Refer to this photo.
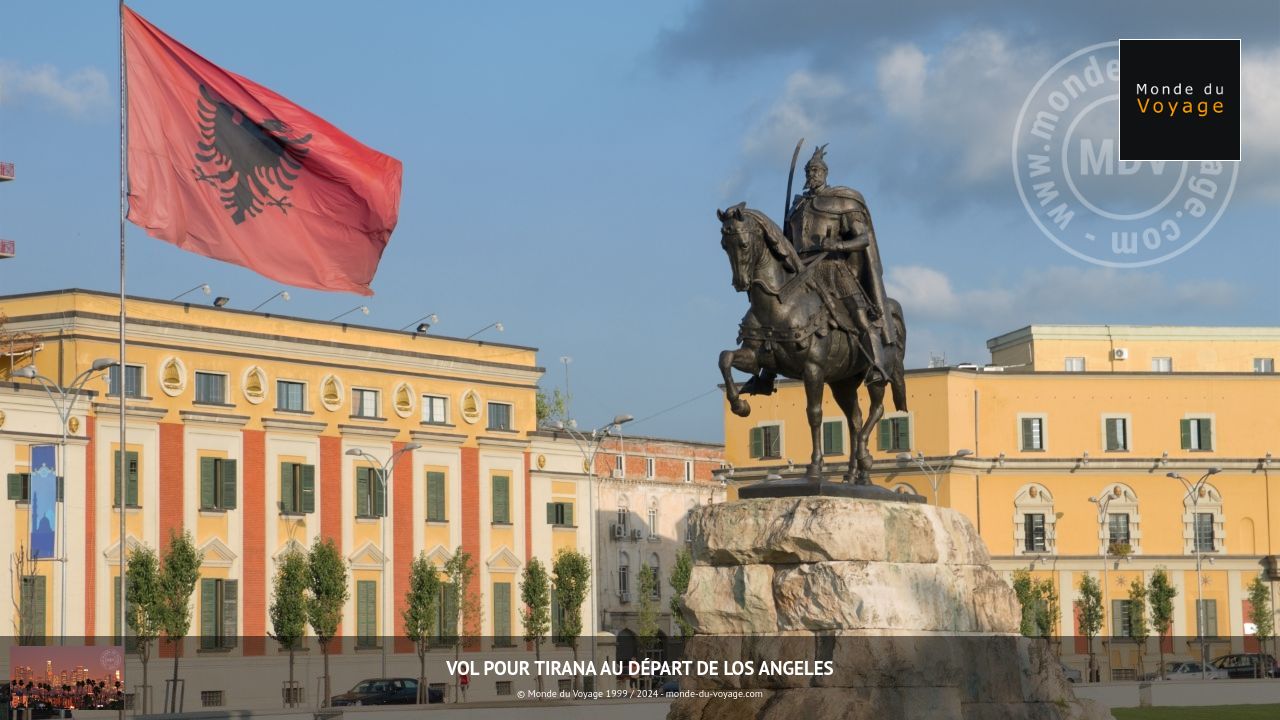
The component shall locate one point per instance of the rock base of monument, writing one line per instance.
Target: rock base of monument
(804, 487)
(833, 607)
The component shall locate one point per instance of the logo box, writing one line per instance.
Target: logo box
(1180, 100)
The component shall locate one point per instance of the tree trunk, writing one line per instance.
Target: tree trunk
(144, 655)
(1161, 668)
(324, 650)
(177, 653)
(575, 663)
(424, 694)
(292, 699)
(537, 655)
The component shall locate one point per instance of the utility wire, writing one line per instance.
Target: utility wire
(676, 406)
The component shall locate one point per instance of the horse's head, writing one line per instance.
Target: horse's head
(739, 236)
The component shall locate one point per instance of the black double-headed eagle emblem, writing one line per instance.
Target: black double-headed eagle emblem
(246, 159)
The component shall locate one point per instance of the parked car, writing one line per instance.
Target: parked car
(385, 691)
(1072, 674)
(1246, 665)
(1187, 670)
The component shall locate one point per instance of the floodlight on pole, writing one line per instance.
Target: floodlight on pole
(283, 295)
(202, 286)
(495, 325)
(361, 308)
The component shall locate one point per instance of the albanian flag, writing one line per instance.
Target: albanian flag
(223, 167)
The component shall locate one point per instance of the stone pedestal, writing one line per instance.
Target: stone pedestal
(884, 610)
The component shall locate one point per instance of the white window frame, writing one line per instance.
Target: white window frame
(124, 380)
(1067, 362)
(511, 416)
(688, 471)
(1124, 503)
(1044, 431)
(357, 403)
(1041, 504)
(1156, 362)
(1264, 364)
(1195, 435)
(649, 467)
(782, 441)
(305, 394)
(427, 409)
(1128, 431)
(653, 523)
(911, 430)
(226, 383)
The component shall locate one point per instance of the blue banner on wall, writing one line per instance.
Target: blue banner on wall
(44, 501)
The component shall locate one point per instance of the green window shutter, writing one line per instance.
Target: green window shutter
(229, 484)
(1113, 434)
(366, 612)
(773, 441)
(832, 438)
(568, 513)
(208, 614)
(901, 433)
(115, 478)
(1028, 434)
(883, 439)
(131, 487)
(286, 488)
(61, 487)
(502, 613)
(551, 513)
(1184, 427)
(757, 442)
(435, 496)
(1206, 433)
(501, 498)
(31, 610)
(208, 483)
(230, 613)
(115, 609)
(450, 610)
(362, 492)
(308, 492)
(555, 615)
(15, 486)
(378, 491)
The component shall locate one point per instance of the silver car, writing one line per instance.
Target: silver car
(1188, 670)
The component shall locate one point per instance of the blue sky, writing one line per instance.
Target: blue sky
(563, 162)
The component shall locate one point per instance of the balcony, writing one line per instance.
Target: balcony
(6, 171)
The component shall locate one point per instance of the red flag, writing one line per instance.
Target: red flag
(223, 167)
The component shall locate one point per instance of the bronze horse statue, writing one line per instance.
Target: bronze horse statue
(792, 330)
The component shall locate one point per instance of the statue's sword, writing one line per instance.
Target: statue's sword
(786, 207)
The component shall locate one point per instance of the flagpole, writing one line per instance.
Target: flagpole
(121, 374)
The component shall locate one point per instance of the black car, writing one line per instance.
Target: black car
(1246, 665)
(385, 691)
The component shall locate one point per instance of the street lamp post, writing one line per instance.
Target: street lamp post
(64, 401)
(1102, 504)
(1193, 491)
(589, 461)
(382, 470)
(933, 473)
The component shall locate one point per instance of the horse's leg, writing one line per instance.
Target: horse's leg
(813, 387)
(743, 359)
(846, 395)
(875, 391)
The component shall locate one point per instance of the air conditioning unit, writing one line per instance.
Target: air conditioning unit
(619, 531)
(1271, 567)
(636, 534)
(618, 474)
(1120, 354)
(624, 596)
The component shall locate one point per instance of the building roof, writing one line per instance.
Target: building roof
(1185, 333)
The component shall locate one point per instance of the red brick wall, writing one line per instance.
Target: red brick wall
(402, 540)
(171, 481)
(253, 510)
(90, 527)
(471, 519)
(331, 503)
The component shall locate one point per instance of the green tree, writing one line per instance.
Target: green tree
(328, 594)
(1161, 594)
(1260, 614)
(681, 571)
(571, 578)
(647, 611)
(1139, 630)
(464, 609)
(288, 609)
(553, 406)
(535, 593)
(1090, 606)
(145, 609)
(1034, 597)
(420, 614)
(180, 571)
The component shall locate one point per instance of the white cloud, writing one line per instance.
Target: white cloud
(901, 75)
(76, 93)
(1259, 119)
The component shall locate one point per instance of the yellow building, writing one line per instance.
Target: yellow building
(261, 433)
(1061, 462)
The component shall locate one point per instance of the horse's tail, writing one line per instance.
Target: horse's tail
(897, 379)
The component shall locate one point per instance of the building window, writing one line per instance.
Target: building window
(1162, 364)
(895, 434)
(1033, 532)
(364, 403)
(447, 615)
(211, 698)
(20, 487)
(1117, 433)
(31, 610)
(371, 493)
(560, 513)
(435, 409)
(217, 484)
(1205, 541)
(653, 523)
(624, 581)
(291, 396)
(211, 388)
(499, 416)
(766, 441)
(1207, 618)
(435, 497)
(502, 687)
(557, 619)
(1118, 529)
(502, 499)
(297, 488)
(366, 613)
(649, 468)
(1073, 364)
(1264, 365)
(1120, 618)
(132, 380)
(657, 579)
(1196, 433)
(833, 437)
(623, 514)
(688, 471)
(131, 484)
(218, 613)
(502, 614)
(1032, 434)
(619, 465)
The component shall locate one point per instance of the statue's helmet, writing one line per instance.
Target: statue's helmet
(817, 160)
